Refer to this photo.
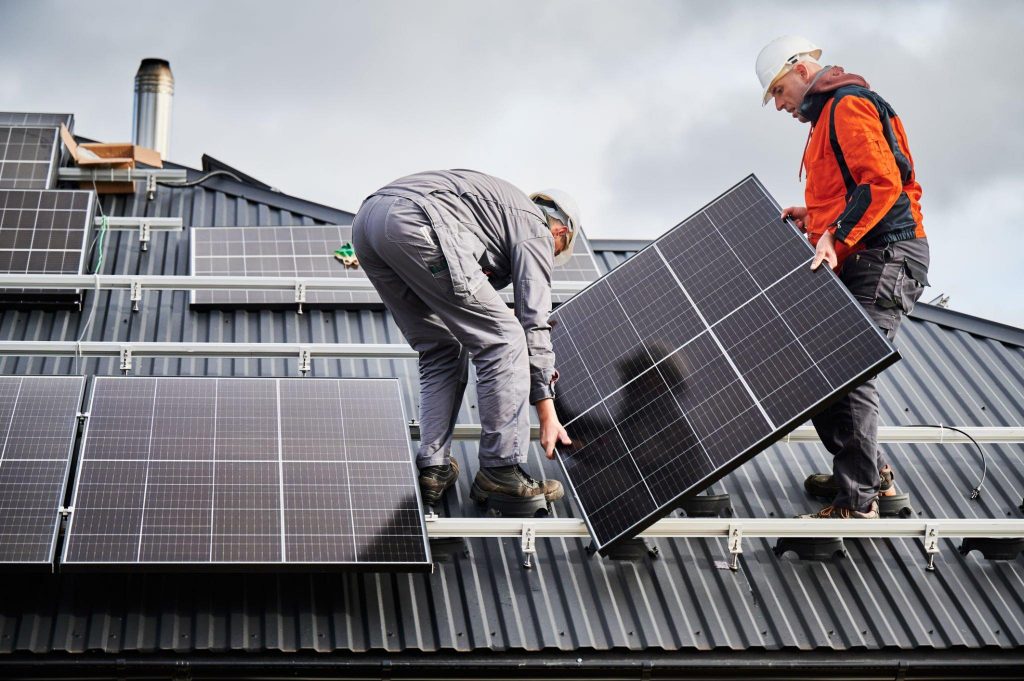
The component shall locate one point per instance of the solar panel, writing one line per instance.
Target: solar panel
(32, 119)
(29, 157)
(308, 251)
(43, 231)
(697, 353)
(38, 421)
(242, 472)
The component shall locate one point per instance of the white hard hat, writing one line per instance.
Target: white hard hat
(779, 56)
(565, 210)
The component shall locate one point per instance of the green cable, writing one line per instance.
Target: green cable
(99, 244)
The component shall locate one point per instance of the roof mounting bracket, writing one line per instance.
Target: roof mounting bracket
(136, 295)
(126, 359)
(735, 546)
(528, 544)
(144, 236)
(305, 358)
(150, 187)
(931, 545)
(300, 294)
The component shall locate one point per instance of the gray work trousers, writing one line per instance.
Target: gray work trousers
(400, 254)
(887, 282)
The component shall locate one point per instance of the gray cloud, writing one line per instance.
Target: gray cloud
(643, 109)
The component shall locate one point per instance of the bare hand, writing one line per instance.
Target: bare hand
(826, 250)
(551, 431)
(798, 214)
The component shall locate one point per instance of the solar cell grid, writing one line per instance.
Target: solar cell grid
(308, 251)
(697, 353)
(29, 157)
(248, 471)
(36, 119)
(38, 420)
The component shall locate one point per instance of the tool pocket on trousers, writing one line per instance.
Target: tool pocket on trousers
(863, 273)
(462, 250)
(900, 285)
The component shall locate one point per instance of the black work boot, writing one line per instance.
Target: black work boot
(823, 485)
(512, 481)
(436, 480)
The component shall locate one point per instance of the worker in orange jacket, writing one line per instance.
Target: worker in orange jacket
(863, 215)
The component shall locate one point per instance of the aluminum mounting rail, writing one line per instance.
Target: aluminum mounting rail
(735, 530)
(173, 282)
(144, 225)
(121, 174)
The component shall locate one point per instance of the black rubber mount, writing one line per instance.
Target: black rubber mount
(896, 506)
(811, 548)
(706, 506)
(635, 549)
(993, 548)
(510, 506)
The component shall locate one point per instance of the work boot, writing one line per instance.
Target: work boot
(833, 512)
(512, 481)
(436, 480)
(823, 485)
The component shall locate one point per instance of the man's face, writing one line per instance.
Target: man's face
(788, 91)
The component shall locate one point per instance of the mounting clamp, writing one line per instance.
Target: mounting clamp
(300, 294)
(65, 511)
(151, 187)
(931, 545)
(144, 229)
(126, 358)
(528, 544)
(735, 546)
(305, 358)
(136, 295)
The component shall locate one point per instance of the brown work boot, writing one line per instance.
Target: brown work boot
(837, 512)
(512, 481)
(823, 485)
(436, 480)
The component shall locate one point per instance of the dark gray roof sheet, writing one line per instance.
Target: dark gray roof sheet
(879, 598)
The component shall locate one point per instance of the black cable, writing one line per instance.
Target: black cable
(976, 490)
(204, 178)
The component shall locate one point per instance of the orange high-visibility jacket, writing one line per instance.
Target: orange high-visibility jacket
(860, 174)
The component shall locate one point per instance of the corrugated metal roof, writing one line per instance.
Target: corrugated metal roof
(480, 598)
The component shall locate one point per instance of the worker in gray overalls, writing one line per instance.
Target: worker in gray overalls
(437, 247)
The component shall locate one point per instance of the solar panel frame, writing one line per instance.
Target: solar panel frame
(144, 462)
(61, 467)
(581, 267)
(14, 204)
(604, 544)
(31, 119)
(19, 151)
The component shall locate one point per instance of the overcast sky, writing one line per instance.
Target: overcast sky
(644, 110)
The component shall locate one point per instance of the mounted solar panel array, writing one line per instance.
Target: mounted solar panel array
(696, 354)
(38, 421)
(308, 251)
(43, 232)
(29, 157)
(242, 472)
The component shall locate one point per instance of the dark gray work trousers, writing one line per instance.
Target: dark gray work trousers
(887, 282)
(401, 256)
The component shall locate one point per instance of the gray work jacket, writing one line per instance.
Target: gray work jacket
(489, 230)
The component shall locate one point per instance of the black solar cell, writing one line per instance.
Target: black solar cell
(697, 353)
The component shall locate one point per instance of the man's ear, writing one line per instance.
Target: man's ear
(801, 68)
(558, 229)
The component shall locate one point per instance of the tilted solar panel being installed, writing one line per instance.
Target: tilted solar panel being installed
(697, 353)
(245, 472)
(35, 119)
(38, 421)
(308, 251)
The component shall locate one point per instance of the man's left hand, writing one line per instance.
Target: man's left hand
(826, 250)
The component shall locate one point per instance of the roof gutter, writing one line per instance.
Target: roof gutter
(693, 665)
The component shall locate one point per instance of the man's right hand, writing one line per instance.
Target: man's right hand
(551, 430)
(798, 214)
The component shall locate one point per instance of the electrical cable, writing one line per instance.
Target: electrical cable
(98, 246)
(976, 490)
(204, 178)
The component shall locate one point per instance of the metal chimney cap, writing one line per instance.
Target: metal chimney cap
(154, 75)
